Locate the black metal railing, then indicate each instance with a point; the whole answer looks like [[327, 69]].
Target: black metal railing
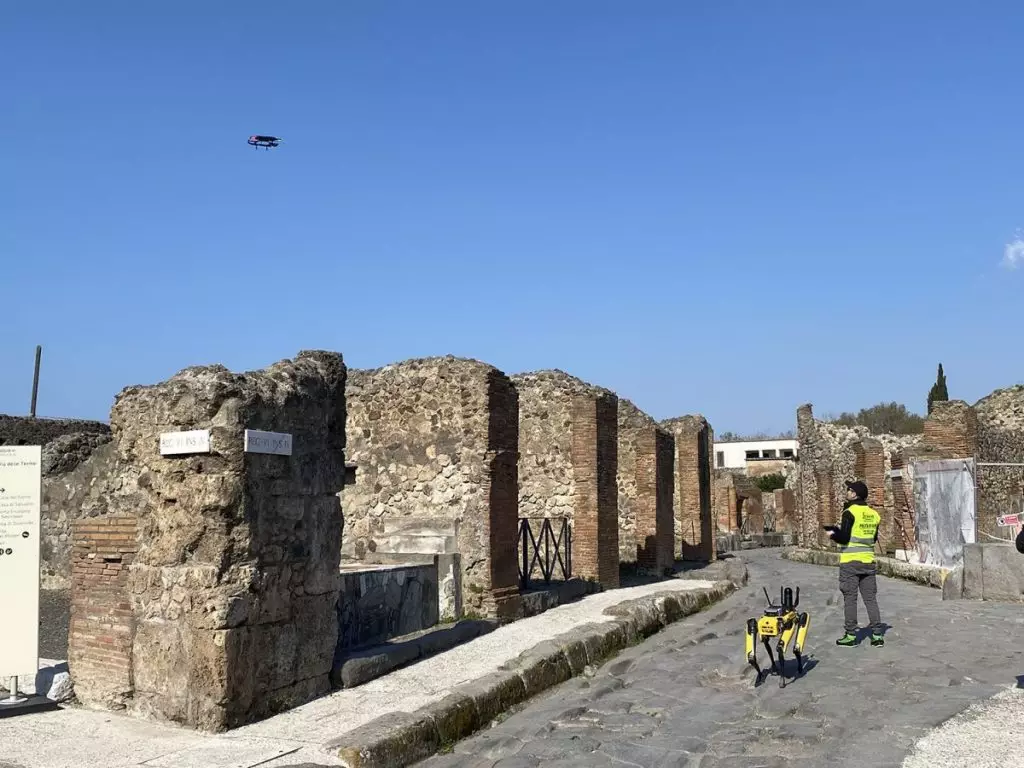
[[544, 548]]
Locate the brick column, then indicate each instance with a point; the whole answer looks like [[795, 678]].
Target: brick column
[[869, 467], [102, 623], [654, 519], [502, 600], [952, 429], [595, 546], [694, 496], [904, 528]]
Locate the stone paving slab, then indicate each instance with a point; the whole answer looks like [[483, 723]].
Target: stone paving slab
[[75, 737], [685, 697]]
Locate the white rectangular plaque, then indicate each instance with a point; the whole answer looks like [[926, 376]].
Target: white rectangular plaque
[[174, 443], [279, 443], [20, 494]]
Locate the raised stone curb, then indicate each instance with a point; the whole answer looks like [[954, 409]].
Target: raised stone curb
[[362, 666], [400, 739], [929, 575]]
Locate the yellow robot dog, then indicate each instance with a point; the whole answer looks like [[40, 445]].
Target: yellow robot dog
[[781, 621]]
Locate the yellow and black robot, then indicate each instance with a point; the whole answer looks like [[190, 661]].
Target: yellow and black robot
[[781, 621]]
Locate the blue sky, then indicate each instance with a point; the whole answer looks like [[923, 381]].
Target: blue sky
[[722, 207]]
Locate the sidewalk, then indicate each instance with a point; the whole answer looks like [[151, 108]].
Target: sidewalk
[[77, 738]]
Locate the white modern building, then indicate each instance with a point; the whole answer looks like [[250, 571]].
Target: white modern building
[[736, 455]]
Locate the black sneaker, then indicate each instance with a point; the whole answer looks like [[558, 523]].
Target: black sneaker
[[877, 640]]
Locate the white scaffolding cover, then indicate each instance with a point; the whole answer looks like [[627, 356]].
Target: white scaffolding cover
[[944, 506]]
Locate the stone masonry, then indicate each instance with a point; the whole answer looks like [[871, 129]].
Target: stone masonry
[[73, 482], [646, 491], [869, 466], [102, 622], [828, 458], [694, 495], [19, 430], [655, 534], [786, 518], [1000, 440], [568, 463], [233, 585], [435, 443]]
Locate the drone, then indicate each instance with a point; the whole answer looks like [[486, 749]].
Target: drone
[[264, 141]]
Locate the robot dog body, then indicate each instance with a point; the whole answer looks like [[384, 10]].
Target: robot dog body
[[783, 622]]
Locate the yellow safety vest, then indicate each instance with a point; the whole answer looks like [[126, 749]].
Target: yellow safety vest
[[861, 548]]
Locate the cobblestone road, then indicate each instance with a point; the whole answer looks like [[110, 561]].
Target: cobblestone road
[[685, 697]]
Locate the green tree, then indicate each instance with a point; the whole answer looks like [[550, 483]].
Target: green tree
[[938, 392], [769, 483], [884, 418]]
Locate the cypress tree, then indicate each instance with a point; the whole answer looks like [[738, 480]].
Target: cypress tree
[[938, 391]]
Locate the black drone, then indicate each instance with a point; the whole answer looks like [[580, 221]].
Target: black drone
[[264, 141]]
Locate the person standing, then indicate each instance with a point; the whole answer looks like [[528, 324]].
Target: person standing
[[856, 536]]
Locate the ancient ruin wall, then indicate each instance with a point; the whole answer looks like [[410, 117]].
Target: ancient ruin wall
[[1000, 434], [694, 496], [633, 425], [567, 465], [828, 457], [435, 442], [18, 430], [655, 529], [72, 483], [233, 586]]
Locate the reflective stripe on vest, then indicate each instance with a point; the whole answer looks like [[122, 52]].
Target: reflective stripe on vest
[[861, 548]]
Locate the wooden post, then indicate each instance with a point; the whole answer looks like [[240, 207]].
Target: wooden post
[[35, 380]]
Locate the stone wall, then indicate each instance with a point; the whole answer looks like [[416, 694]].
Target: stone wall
[[655, 535], [646, 487], [1000, 433], [762, 467], [19, 430], [234, 584], [787, 519], [828, 459], [436, 440], [380, 602], [71, 487], [568, 461], [75, 487], [694, 499], [737, 503]]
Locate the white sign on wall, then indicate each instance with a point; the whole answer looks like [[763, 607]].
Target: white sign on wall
[[279, 443], [20, 493], [174, 443]]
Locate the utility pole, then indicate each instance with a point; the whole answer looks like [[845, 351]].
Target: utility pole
[[35, 379]]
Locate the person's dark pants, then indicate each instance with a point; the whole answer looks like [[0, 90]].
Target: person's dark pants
[[854, 578]]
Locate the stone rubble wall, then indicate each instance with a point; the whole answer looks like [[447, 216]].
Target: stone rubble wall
[[234, 581], [568, 433], [829, 458], [437, 440], [23, 430], [72, 484], [737, 502], [655, 535], [634, 425], [694, 493], [1000, 425]]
